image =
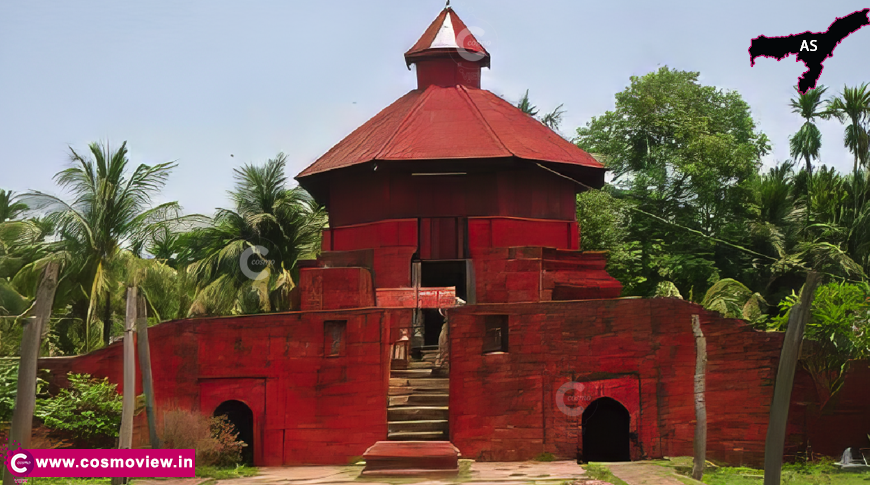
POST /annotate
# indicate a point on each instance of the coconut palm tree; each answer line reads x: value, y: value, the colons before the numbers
x: 111, y: 208
x: 552, y: 120
x: 245, y: 261
x: 805, y: 144
x: 10, y: 206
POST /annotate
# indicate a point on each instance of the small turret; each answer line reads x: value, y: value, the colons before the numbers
x: 448, y: 54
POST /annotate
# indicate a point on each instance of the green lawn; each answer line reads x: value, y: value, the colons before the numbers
x: 822, y: 473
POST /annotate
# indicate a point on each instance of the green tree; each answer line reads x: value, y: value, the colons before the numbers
x: 686, y: 153
x: 245, y: 261
x: 805, y: 144
x: 111, y: 209
x: 604, y: 226
x: 852, y: 107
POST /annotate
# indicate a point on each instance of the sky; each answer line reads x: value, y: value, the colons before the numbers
x: 214, y: 84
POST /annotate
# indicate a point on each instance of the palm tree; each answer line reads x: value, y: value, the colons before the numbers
x: 552, y: 120
x: 525, y: 105
x: 853, y: 107
x: 245, y: 261
x: 111, y: 209
x: 10, y: 207
x: 807, y: 141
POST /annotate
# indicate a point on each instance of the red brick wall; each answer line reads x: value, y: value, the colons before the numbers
x: 308, y: 409
x: 502, y: 406
x: 829, y: 428
x: 312, y: 409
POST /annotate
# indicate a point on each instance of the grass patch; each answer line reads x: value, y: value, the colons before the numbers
x: 545, y: 457
x: 821, y: 473
x: 222, y: 473
x: 601, y: 472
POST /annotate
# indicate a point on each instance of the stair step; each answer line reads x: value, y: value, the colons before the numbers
x: 420, y: 399
x: 421, y: 383
x: 431, y: 382
x: 419, y: 364
x: 400, y: 391
x: 410, y: 413
x: 408, y: 373
x: 411, y: 458
x: 418, y: 425
x: 417, y: 436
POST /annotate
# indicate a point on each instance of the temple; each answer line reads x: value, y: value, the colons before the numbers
x: 451, y: 303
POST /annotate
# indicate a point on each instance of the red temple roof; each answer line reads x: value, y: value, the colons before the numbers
x: 443, y: 121
x: 450, y: 123
x: 448, y: 33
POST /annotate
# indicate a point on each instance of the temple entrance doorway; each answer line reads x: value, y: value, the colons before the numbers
x: 445, y: 273
x: 242, y: 418
x: 606, y: 431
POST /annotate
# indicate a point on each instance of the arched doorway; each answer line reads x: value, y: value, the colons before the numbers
x: 243, y: 419
x: 606, y: 425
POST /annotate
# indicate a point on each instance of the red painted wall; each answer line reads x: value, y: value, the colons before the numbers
x: 368, y: 196
x: 828, y: 429
x: 308, y: 408
x: 503, y: 405
x: 313, y: 409
x: 447, y: 72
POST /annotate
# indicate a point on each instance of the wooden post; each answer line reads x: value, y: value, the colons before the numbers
x: 700, y: 400
x: 145, y: 368
x: 794, y: 334
x: 25, y: 397
x: 125, y: 441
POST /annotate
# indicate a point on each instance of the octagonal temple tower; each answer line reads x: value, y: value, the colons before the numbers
x: 452, y: 186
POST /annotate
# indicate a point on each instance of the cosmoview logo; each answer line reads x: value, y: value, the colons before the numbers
x: 570, y: 398
x: 255, y: 267
x: 20, y: 463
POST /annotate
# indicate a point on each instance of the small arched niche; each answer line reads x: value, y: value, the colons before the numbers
x: 242, y: 418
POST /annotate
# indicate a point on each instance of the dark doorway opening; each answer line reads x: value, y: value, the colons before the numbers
x: 432, y: 323
x: 606, y: 428
x: 243, y: 419
x: 444, y: 274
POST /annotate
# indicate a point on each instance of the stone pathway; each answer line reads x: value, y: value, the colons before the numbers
x: 521, y: 473
x: 640, y: 473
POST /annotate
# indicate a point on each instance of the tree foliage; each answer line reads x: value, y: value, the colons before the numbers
x: 687, y: 153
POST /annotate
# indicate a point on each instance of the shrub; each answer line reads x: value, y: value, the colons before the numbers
x: 88, y: 412
x: 214, y: 439
x: 9, y: 388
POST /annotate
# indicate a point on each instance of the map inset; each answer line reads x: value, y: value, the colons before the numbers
x: 811, y: 48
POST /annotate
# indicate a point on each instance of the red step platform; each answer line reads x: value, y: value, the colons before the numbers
x: 411, y: 458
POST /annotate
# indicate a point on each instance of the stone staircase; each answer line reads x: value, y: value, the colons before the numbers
x: 418, y: 401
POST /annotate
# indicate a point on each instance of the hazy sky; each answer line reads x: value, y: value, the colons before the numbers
x: 197, y: 81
